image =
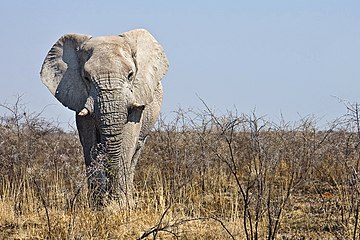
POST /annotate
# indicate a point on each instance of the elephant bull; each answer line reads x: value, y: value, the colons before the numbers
x: 113, y: 83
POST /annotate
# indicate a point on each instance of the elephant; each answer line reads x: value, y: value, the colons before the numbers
x: 113, y: 83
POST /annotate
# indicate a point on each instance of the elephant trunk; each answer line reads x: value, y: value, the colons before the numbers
x: 112, y: 117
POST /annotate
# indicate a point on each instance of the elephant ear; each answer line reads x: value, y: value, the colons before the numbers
x: 150, y: 61
x: 61, y: 71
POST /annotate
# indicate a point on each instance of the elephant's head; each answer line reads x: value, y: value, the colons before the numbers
x: 105, y: 75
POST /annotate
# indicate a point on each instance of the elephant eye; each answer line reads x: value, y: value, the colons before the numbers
x: 131, y: 75
x: 87, y: 79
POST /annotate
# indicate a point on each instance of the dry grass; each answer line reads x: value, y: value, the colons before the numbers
x: 200, y: 176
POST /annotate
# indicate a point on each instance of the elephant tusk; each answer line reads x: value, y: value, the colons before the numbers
x: 84, y: 112
x: 139, y: 106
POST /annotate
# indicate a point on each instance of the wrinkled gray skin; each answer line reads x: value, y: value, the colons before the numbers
x: 113, y: 85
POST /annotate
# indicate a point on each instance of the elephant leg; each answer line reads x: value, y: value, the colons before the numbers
x: 93, y: 154
x: 140, y: 144
x: 148, y: 119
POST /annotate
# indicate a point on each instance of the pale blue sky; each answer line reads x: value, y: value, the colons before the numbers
x: 280, y: 56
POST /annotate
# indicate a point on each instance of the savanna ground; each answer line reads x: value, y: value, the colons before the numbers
x: 200, y: 176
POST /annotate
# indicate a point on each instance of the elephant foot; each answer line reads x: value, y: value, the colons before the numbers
x: 124, y: 201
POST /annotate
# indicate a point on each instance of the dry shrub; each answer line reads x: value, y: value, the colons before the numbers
x: 200, y: 176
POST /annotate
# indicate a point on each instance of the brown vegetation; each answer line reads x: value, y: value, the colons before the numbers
x: 200, y: 176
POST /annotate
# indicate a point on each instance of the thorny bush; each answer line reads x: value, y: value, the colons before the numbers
x: 259, y: 179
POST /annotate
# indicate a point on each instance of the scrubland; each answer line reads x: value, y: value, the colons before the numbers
x: 200, y: 176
